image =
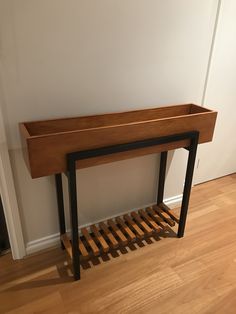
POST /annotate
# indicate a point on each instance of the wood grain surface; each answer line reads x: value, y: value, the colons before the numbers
x: 195, y: 274
x: 48, y: 142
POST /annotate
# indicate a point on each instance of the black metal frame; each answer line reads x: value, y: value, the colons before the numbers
x: 73, y: 157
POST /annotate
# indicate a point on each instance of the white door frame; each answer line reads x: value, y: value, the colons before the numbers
x: 9, y: 200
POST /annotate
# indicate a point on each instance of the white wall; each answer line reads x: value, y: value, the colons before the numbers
x: 218, y: 158
x: 65, y: 58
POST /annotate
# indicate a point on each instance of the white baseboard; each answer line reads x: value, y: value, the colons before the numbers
x: 173, y: 201
x: 53, y: 240
x: 43, y: 243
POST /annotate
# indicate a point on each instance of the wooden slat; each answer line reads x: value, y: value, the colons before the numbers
x: 142, y: 223
x: 90, y: 241
x: 157, y: 218
x: 66, y: 241
x: 83, y: 249
x: 164, y: 215
x: 170, y: 212
x: 149, y: 220
x: 125, y: 228
x: 117, y: 231
x: 109, y: 235
x: 67, y: 244
x: 99, y: 237
x: 133, y: 225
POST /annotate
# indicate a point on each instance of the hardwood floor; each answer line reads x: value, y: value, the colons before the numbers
x: 195, y: 274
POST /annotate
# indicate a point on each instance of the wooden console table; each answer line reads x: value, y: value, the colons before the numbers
x: 64, y: 145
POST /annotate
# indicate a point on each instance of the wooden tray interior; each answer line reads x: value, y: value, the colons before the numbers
x: 40, y: 128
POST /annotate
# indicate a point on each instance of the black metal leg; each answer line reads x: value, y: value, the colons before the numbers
x: 162, y: 176
x: 188, y: 184
x: 74, y: 216
x: 60, y: 205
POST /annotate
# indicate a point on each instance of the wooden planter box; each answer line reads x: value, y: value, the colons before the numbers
x: 46, y: 143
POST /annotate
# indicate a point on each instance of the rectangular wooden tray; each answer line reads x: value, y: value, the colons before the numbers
x: 46, y: 143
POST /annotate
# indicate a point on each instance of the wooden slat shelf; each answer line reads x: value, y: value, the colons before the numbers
x: 120, y: 231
